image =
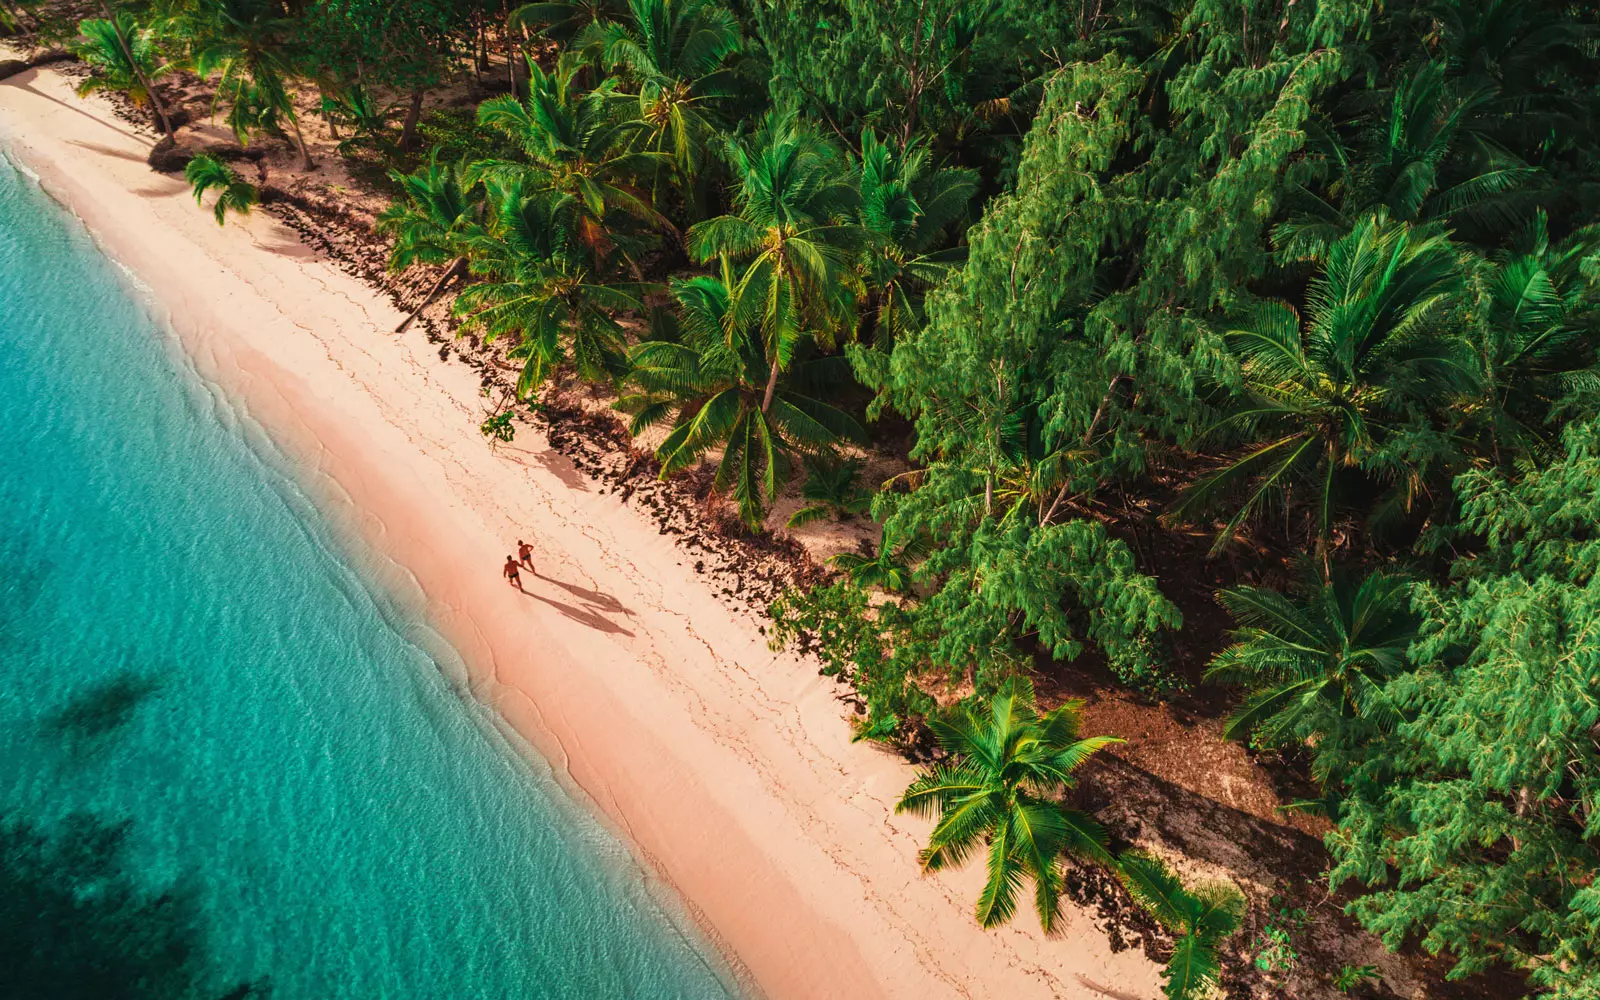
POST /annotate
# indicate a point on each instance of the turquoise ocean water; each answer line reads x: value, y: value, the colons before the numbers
x: 186, y: 648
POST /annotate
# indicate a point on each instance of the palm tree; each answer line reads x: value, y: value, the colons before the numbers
x: 1431, y: 157
x: 234, y: 194
x: 794, y: 195
x: 712, y: 385
x: 1315, y: 666
x: 1533, y: 345
x: 1199, y: 919
x: 245, y: 44
x: 674, y: 52
x: 833, y: 489
x: 889, y: 567
x: 574, y: 148
x: 538, y: 288
x: 122, y: 57
x: 352, y: 106
x: 905, y: 208
x: 563, y: 20
x: 1329, y: 391
x: 1000, y: 787
x: 440, y: 201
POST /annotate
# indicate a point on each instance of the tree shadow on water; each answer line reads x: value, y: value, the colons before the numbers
x: 89, y: 720
x: 76, y: 925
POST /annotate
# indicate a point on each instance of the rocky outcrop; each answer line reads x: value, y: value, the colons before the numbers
x: 11, y: 67
x: 49, y: 56
x: 168, y: 157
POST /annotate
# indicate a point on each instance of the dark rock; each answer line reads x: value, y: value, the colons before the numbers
x: 49, y: 56
x: 168, y: 157
x: 11, y: 67
x: 179, y: 117
x: 231, y: 153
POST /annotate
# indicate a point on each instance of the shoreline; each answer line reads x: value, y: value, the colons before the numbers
x: 726, y: 768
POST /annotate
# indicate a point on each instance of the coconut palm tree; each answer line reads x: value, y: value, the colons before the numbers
x: 234, y: 194
x: 889, y: 567
x: 1000, y: 789
x: 440, y: 201
x: 832, y: 489
x: 353, y: 106
x: 539, y: 288
x: 1432, y: 156
x: 1328, y: 391
x: 1315, y: 665
x: 247, y: 46
x: 674, y: 53
x: 711, y: 383
x: 1200, y: 920
x: 564, y: 20
x: 122, y: 57
x: 1533, y: 342
x: 575, y: 148
x: 791, y: 233
x: 905, y: 207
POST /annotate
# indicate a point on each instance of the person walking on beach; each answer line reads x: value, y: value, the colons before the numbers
x: 512, y: 576
x: 525, y: 556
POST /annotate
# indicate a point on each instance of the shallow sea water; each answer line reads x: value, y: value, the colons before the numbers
x: 186, y: 646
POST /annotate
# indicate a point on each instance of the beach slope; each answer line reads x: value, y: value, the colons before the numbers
x: 727, y: 767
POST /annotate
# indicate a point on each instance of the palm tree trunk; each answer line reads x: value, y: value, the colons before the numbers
x: 772, y: 387
x: 144, y: 81
x: 16, y: 15
x: 408, y: 131
x: 438, y: 287
x: 300, y: 140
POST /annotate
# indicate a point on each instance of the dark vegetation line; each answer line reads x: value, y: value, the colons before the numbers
x: 1314, y: 277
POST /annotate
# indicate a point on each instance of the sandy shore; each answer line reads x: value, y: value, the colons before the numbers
x: 728, y: 768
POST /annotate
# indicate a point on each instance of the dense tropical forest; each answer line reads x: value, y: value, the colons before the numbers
x: 1313, y: 280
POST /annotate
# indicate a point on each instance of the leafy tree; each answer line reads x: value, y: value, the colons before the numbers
x: 408, y: 46
x: 1331, y: 393
x: 439, y: 202
x: 1473, y: 826
x: 833, y: 489
x: 538, y: 286
x: 1000, y: 789
x: 234, y: 194
x: 712, y: 385
x: 122, y: 58
x: 996, y: 586
x: 1200, y: 919
x: 792, y: 198
x: 1315, y: 667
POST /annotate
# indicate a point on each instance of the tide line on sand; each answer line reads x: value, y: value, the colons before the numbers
x: 728, y: 768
